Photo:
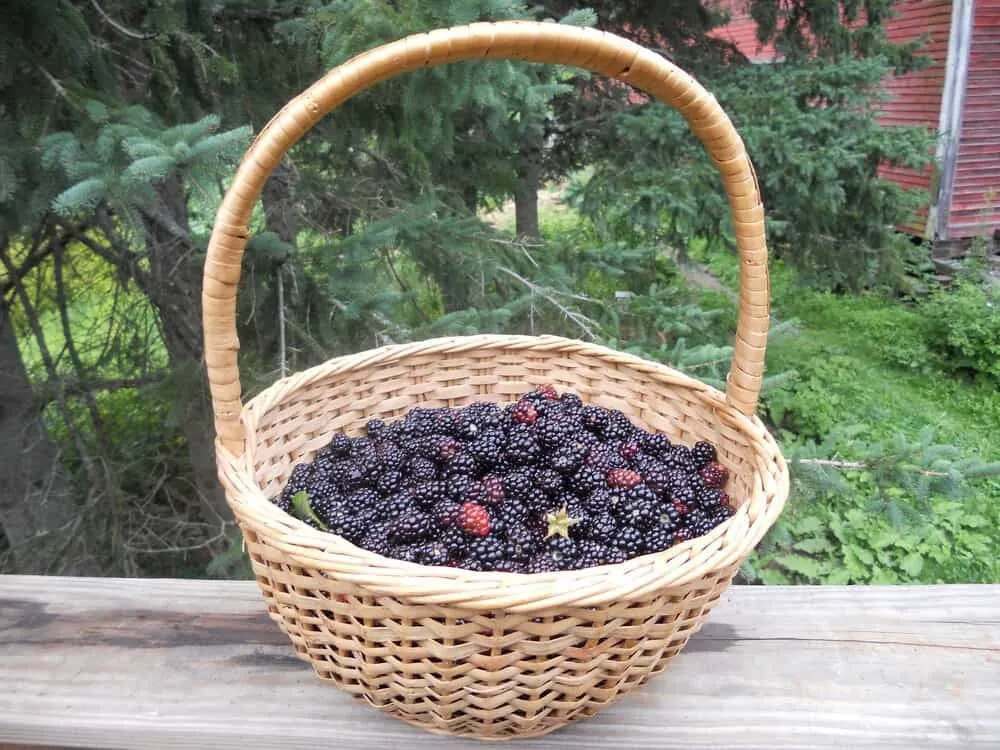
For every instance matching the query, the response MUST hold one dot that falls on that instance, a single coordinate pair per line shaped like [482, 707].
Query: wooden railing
[116, 663]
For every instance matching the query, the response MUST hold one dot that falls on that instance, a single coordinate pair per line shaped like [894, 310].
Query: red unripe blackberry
[524, 412]
[625, 478]
[547, 392]
[628, 450]
[715, 475]
[474, 519]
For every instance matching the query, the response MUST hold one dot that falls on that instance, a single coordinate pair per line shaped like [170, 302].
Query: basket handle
[596, 51]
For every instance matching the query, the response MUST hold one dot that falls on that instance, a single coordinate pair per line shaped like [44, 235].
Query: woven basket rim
[633, 579]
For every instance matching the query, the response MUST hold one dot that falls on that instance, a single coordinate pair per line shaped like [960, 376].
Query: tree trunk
[174, 288]
[529, 173]
[37, 507]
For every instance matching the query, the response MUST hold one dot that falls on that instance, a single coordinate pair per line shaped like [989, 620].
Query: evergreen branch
[121, 29]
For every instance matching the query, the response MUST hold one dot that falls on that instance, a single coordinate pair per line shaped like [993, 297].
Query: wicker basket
[487, 654]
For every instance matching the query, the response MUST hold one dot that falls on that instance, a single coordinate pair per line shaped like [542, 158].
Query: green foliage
[810, 128]
[964, 327]
[843, 542]
[120, 156]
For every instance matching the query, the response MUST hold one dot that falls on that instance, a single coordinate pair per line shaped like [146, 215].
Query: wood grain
[194, 664]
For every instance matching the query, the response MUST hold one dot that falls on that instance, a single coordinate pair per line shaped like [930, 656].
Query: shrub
[965, 327]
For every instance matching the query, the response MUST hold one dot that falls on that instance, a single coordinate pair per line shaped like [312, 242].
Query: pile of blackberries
[546, 483]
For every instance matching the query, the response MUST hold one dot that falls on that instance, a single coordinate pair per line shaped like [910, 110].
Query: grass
[864, 361]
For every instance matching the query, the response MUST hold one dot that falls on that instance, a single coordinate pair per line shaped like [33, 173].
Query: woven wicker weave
[487, 654]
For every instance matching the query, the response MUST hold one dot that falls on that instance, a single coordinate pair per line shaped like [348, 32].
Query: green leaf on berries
[304, 511]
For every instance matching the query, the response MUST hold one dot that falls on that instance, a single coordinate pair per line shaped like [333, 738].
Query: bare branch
[123, 30]
[859, 466]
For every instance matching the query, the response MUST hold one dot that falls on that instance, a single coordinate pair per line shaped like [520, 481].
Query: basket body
[489, 655]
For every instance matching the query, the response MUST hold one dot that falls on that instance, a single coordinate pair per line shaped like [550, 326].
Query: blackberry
[458, 485]
[493, 492]
[339, 446]
[714, 475]
[388, 482]
[462, 463]
[710, 498]
[601, 527]
[641, 513]
[547, 480]
[363, 499]
[349, 524]
[488, 551]
[400, 504]
[685, 493]
[618, 427]
[407, 552]
[324, 508]
[658, 539]
[483, 414]
[465, 428]
[524, 412]
[433, 553]
[456, 541]
[630, 540]
[571, 401]
[323, 486]
[376, 539]
[703, 453]
[680, 458]
[486, 449]
[506, 565]
[446, 449]
[595, 418]
[426, 494]
[517, 484]
[657, 478]
[585, 481]
[521, 542]
[421, 469]
[615, 556]
[284, 502]
[299, 480]
[375, 428]
[413, 527]
[543, 563]
[668, 517]
[681, 535]
[563, 551]
[419, 423]
[445, 513]
[522, 446]
[603, 458]
[514, 513]
[591, 554]
[389, 455]
[568, 458]
[555, 430]
[656, 445]
[538, 500]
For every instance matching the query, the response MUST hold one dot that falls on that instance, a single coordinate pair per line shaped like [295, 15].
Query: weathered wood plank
[195, 664]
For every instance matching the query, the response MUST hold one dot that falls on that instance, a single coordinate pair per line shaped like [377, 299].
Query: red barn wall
[975, 195]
